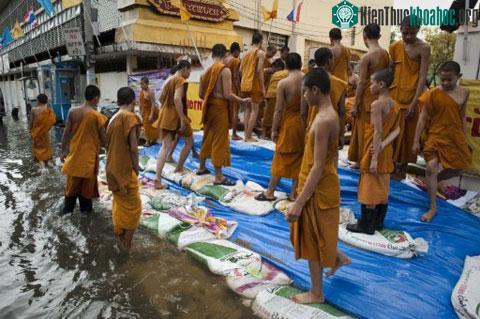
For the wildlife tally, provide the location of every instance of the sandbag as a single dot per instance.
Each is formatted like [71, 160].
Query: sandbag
[213, 191]
[151, 165]
[222, 256]
[143, 162]
[169, 173]
[395, 243]
[159, 223]
[346, 214]
[248, 283]
[162, 200]
[185, 234]
[275, 303]
[466, 294]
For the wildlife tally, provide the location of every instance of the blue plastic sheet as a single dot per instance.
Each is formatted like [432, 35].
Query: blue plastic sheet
[373, 286]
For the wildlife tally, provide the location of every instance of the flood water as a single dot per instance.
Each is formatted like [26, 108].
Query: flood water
[67, 267]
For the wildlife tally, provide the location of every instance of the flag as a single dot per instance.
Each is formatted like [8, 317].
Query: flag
[70, 3]
[184, 14]
[30, 18]
[294, 16]
[47, 6]
[17, 31]
[270, 15]
[6, 37]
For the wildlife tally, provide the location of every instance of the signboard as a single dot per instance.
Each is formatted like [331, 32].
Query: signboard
[207, 10]
[74, 42]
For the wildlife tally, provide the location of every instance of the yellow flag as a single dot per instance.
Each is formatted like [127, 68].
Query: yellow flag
[70, 3]
[17, 31]
[270, 15]
[184, 14]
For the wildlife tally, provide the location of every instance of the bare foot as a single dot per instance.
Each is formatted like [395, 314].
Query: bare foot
[235, 137]
[428, 216]
[251, 140]
[159, 185]
[307, 298]
[340, 261]
[179, 170]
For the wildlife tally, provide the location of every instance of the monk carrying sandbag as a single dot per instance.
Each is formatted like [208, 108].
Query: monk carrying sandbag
[82, 138]
[122, 168]
[216, 92]
[41, 121]
[442, 118]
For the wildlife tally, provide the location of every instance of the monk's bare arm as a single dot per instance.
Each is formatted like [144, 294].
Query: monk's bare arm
[201, 88]
[377, 122]
[103, 137]
[391, 137]
[422, 120]
[261, 59]
[226, 77]
[152, 98]
[133, 143]
[178, 100]
[279, 106]
[422, 78]
[67, 135]
[303, 108]
[321, 134]
[32, 119]
[463, 111]
[361, 84]
[341, 115]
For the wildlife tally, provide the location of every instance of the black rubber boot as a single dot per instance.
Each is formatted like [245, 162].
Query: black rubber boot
[68, 206]
[366, 223]
[381, 213]
[86, 206]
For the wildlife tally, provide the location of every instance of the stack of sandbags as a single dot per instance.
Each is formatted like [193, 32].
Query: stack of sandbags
[466, 294]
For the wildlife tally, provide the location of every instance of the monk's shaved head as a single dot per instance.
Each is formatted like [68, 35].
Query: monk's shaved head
[257, 37]
[125, 96]
[294, 61]
[219, 51]
[323, 56]
[91, 93]
[411, 22]
[335, 34]
[450, 66]
[372, 31]
[318, 77]
[42, 99]
[385, 76]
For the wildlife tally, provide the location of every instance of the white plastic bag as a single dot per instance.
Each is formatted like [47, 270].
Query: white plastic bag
[466, 294]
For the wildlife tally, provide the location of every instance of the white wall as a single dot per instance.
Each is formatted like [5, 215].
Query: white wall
[470, 67]
[110, 82]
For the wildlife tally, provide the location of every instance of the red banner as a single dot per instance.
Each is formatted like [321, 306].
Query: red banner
[208, 10]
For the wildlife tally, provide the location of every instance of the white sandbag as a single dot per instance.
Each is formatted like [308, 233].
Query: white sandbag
[185, 234]
[169, 173]
[395, 243]
[244, 201]
[249, 283]
[159, 223]
[275, 303]
[466, 294]
[164, 199]
[151, 166]
[197, 182]
[222, 256]
[346, 214]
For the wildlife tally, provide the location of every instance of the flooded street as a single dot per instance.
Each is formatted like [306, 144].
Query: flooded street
[67, 267]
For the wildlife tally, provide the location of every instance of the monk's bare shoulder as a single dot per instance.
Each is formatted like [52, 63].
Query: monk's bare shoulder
[465, 93]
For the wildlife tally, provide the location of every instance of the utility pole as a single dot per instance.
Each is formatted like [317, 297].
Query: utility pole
[89, 45]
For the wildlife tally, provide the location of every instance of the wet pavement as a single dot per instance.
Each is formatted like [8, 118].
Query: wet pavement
[67, 267]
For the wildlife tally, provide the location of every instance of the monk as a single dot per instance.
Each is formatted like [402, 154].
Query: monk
[410, 58]
[173, 120]
[315, 214]
[252, 84]
[271, 97]
[377, 162]
[287, 130]
[341, 55]
[42, 119]
[148, 107]
[83, 136]
[268, 71]
[216, 92]
[284, 51]
[445, 149]
[353, 80]
[311, 65]
[338, 91]
[374, 60]
[232, 61]
[122, 168]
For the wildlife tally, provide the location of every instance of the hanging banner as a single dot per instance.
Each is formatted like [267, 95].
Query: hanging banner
[157, 80]
[207, 10]
[473, 121]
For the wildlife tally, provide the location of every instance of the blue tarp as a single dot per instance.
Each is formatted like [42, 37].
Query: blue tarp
[373, 286]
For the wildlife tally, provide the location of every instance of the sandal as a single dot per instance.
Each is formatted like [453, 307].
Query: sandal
[263, 198]
[204, 172]
[225, 182]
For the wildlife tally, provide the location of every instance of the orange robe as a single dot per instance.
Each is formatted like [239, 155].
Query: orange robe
[340, 65]
[215, 119]
[373, 189]
[445, 135]
[403, 91]
[151, 132]
[361, 122]
[234, 66]
[315, 235]
[122, 179]
[168, 120]
[42, 147]
[289, 148]
[250, 85]
[81, 163]
[271, 100]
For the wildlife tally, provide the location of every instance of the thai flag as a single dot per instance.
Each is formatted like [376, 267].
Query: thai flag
[294, 16]
[30, 18]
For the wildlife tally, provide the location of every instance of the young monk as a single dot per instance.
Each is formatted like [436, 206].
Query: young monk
[173, 120]
[268, 71]
[374, 60]
[287, 130]
[83, 135]
[377, 163]
[122, 168]
[148, 111]
[216, 91]
[446, 149]
[252, 83]
[233, 63]
[410, 58]
[42, 119]
[315, 214]
[271, 97]
[341, 55]
[353, 80]
[338, 90]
